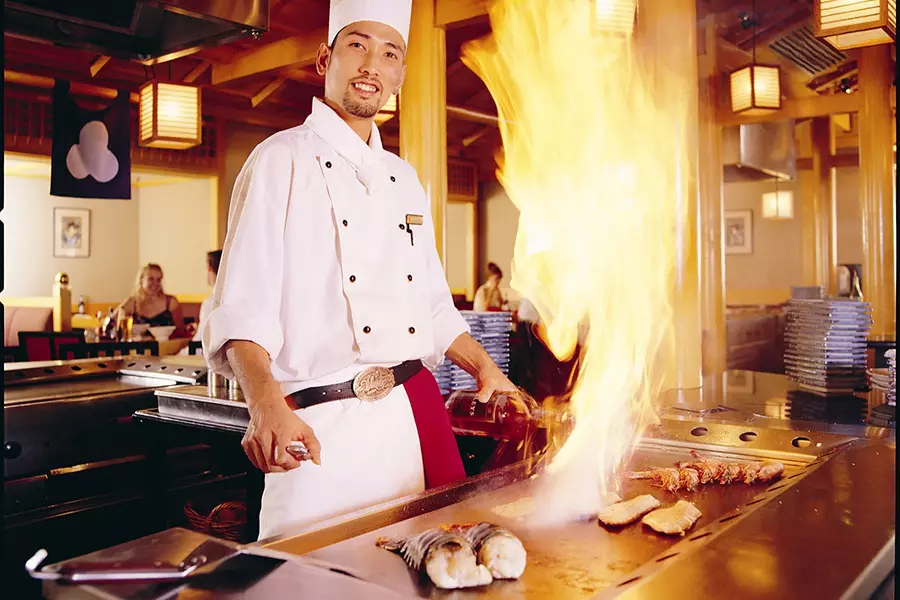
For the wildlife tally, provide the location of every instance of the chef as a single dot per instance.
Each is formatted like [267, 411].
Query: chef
[331, 300]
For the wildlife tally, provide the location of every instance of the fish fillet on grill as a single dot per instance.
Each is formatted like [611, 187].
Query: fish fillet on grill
[447, 558]
[497, 548]
[673, 520]
[623, 513]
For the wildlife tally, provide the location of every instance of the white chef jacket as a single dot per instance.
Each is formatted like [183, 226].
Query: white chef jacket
[319, 267]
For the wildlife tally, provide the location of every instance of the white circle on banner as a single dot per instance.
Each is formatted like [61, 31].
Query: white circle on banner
[91, 155]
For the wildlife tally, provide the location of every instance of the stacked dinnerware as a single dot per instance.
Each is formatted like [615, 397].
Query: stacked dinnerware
[825, 344]
[492, 330]
[884, 380]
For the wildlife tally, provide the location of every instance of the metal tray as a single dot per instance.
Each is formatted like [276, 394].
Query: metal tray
[194, 403]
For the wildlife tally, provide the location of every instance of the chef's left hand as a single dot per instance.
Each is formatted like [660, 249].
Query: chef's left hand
[492, 380]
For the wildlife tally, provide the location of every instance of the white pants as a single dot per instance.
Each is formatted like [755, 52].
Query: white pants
[370, 454]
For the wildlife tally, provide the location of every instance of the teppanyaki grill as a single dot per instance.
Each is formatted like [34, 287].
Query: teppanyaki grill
[834, 505]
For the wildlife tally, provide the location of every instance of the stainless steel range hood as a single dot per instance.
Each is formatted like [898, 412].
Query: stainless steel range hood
[147, 31]
[759, 151]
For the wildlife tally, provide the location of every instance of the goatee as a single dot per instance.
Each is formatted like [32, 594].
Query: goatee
[358, 108]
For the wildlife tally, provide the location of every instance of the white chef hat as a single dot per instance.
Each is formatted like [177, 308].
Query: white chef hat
[394, 13]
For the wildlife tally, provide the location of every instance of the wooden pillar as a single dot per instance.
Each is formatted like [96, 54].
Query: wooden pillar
[819, 211]
[423, 112]
[667, 31]
[711, 180]
[876, 187]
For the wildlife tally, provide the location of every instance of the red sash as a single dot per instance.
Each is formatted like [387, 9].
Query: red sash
[440, 454]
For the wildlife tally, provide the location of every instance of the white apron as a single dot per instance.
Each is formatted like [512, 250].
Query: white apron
[370, 454]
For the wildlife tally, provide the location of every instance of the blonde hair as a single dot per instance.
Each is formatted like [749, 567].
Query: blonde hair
[138, 294]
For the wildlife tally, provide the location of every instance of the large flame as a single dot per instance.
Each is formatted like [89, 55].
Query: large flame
[593, 154]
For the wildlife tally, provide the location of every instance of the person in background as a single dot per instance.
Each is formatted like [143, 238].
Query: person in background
[149, 304]
[212, 270]
[213, 259]
[489, 297]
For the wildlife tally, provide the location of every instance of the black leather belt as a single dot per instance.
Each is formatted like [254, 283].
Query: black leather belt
[371, 384]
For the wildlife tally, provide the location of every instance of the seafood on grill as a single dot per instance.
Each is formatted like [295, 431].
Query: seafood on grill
[498, 549]
[623, 513]
[673, 520]
[688, 475]
[446, 557]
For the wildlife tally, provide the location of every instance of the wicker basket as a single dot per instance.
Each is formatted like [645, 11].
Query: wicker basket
[227, 520]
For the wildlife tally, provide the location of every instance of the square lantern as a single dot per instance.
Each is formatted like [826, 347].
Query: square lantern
[778, 205]
[614, 16]
[169, 116]
[755, 89]
[849, 24]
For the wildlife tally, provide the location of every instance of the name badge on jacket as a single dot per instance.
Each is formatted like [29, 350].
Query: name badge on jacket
[410, 221]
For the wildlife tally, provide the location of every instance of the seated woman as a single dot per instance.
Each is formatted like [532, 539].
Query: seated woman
[149, 305]
[489, 297]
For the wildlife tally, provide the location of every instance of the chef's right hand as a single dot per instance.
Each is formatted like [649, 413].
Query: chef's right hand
[273, 426]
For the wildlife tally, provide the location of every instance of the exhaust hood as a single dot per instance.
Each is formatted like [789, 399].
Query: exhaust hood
[759, 151]
[147, 31]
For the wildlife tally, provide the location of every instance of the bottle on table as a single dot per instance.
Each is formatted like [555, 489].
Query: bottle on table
[81, 305]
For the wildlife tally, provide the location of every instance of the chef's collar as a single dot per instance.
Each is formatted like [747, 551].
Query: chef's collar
[334, 130]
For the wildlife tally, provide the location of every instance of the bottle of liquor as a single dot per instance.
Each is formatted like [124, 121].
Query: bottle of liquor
[507, 416]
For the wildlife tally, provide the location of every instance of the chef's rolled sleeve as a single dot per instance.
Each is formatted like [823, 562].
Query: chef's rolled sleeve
[446, 321]
[247, 297]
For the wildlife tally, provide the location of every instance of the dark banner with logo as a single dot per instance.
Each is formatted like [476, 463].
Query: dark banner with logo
[91, 155]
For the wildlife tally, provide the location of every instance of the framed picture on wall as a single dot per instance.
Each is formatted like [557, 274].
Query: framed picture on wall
[738, 232]
[71, 232]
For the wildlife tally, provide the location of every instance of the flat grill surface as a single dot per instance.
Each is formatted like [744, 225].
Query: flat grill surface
[571, 561]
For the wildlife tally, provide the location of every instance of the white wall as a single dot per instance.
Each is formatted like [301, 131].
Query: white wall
[174, 232]
[167, 221]
[29, 264]
[499, 223]
[460, 246]
[777, 258]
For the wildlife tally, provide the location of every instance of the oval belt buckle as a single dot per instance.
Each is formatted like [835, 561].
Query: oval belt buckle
[373, 384]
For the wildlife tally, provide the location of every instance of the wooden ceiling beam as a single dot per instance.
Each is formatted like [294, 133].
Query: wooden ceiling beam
[471, 139]
[454, 13]
[75, 88]
[98, 64]
[267, 91]
[781, 21]
[294, 51]
[816, 106]
[475, 116]
[196, 72]
[303, 76]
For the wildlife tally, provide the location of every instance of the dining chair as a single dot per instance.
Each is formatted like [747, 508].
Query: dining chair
[108, 349]
[44, 345]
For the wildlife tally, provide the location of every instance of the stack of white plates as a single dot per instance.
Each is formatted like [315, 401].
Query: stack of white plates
[885, 380]
[491, 330]
[825, 344]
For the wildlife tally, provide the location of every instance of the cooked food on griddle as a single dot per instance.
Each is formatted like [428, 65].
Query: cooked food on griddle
[447, 558]
[623, 513]
[497, 548]
[673, 520]
[688, 475]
